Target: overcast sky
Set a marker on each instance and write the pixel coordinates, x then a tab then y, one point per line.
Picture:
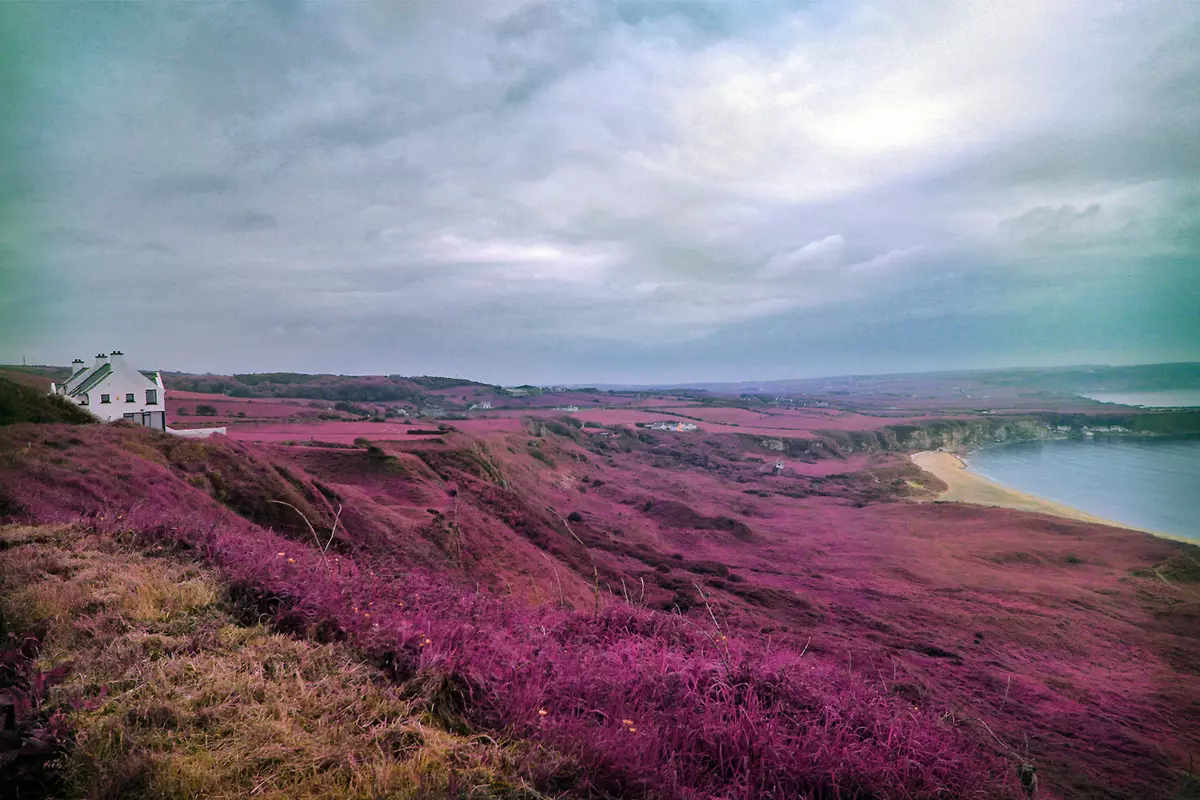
602	191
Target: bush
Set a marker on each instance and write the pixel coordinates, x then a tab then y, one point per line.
350	408
574	516
206	410
25	404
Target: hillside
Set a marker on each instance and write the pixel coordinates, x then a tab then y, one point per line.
352	388
692	623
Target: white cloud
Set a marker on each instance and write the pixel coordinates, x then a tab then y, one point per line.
823	254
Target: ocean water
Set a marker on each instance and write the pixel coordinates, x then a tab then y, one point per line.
1176	398
1147	482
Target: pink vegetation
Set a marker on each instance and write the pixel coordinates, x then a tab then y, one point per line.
874	648
642	702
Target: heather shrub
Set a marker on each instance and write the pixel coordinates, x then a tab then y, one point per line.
647	704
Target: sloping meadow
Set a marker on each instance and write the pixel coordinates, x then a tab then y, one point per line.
641	703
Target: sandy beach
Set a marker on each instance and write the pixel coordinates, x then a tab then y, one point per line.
967	487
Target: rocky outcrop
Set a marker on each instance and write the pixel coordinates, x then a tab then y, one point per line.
965	433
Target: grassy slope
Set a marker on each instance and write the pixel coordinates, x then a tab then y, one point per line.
1061	635
644	704
197	704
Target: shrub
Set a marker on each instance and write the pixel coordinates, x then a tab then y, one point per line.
26	404
204	410
574	516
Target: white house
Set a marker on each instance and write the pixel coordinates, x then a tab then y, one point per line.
682	427
112	390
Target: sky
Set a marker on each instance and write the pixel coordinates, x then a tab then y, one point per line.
619	191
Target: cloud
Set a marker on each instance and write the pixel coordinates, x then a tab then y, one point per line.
1046	221
823	254
192	184
589	190
250	221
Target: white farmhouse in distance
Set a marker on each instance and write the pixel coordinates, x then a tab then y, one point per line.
113	390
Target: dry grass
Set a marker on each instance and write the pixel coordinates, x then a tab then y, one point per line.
198	705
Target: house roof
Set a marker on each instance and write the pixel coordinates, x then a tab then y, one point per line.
77	377
98	375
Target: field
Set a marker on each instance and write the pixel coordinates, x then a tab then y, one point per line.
719	613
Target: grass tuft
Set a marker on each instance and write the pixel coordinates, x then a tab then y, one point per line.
185	702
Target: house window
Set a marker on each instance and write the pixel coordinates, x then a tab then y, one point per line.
104	398
129	398
152	397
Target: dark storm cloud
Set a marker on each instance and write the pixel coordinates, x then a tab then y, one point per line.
620	191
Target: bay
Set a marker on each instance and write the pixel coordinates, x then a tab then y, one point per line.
1146	482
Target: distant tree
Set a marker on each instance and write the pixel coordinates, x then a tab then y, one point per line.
206	410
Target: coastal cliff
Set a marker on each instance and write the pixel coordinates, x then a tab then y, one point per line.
955	434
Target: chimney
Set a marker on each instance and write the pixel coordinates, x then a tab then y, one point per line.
117	359
101	360
78	370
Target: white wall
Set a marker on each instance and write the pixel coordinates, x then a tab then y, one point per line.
197	433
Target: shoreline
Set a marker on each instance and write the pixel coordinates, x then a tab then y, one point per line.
965	486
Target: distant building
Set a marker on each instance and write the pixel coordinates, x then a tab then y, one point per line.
483	406
111	389
568	409
681	427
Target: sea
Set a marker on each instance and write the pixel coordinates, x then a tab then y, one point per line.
1146	482
1174	398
